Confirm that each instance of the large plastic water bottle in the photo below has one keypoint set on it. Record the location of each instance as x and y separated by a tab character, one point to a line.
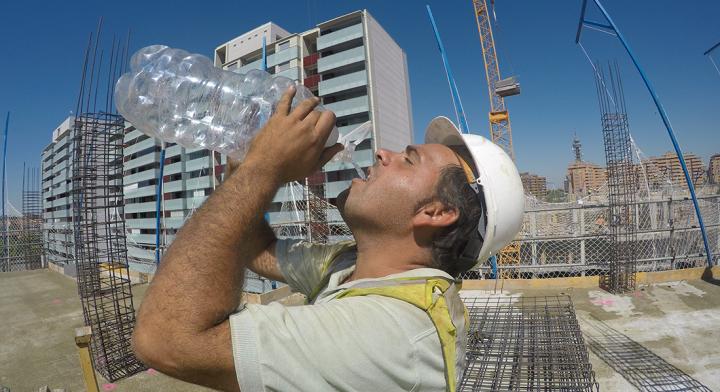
182	98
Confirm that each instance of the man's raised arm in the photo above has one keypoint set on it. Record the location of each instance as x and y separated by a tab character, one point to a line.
182	327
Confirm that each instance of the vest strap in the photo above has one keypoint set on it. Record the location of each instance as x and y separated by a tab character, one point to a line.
427	294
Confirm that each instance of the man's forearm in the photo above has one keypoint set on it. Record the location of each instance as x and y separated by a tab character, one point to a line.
200	278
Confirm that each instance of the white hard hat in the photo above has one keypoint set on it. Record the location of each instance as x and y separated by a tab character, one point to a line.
496	180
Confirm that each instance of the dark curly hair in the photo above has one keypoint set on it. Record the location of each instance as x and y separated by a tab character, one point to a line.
452	189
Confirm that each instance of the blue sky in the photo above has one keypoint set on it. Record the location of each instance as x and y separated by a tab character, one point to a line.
42	46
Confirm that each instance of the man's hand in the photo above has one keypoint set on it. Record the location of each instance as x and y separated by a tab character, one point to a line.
292	144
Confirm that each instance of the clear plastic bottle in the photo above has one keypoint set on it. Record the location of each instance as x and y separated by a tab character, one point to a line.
182	98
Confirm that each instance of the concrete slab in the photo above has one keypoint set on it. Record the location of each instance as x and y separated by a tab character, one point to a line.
39	311
670	327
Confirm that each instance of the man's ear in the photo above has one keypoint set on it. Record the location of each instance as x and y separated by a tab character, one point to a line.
435	215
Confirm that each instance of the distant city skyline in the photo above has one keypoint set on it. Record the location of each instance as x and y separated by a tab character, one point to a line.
43	53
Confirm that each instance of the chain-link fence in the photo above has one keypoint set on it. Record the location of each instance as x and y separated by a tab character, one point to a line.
310	217
571	238
560	239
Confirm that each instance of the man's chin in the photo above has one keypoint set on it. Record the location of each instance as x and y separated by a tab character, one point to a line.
341	200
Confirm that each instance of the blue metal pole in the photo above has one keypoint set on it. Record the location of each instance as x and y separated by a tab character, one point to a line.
459	112
665	121
6	243
264	55
158	201
5	142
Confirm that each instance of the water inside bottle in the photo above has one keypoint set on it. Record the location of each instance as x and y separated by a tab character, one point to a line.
359	170
350	141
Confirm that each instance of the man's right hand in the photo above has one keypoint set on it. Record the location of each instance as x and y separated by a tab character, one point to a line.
291	145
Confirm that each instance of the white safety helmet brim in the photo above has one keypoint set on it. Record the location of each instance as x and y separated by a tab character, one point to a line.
496	173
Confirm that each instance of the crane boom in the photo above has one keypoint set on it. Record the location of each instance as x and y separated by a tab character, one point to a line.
500	131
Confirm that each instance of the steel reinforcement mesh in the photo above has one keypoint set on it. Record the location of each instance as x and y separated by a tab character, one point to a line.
525	344
102	267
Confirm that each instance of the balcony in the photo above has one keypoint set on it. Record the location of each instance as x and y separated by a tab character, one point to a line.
132	135
337	60
198	164
349	106
285	217
173	151
257	64
147	206
312	81
172	168
173	186
282	56
141	161
332	189
147	143
174	204
133	238
198	183
310	61
140	223
292	73
341	83
339	36
140	192
141	176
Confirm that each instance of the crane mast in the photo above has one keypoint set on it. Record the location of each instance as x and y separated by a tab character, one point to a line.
500	131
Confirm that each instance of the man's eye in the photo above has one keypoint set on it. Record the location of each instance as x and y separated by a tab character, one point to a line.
408	160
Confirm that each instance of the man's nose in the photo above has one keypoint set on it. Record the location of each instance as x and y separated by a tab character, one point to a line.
384	157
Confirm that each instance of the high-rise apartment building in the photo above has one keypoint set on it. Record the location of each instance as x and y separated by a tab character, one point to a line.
357	70
350	62
584	178
56	165
534	184
666	170
714	169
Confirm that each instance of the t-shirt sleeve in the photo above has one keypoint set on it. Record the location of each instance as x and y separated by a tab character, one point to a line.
302	263
353	344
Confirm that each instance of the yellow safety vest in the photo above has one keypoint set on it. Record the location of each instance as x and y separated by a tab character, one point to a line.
438	297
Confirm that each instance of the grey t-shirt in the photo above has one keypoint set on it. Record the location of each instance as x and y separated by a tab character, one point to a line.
366	343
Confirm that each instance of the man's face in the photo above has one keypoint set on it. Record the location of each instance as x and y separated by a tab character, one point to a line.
397	182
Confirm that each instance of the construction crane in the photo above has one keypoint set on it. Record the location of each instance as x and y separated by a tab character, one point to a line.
500	131
498	89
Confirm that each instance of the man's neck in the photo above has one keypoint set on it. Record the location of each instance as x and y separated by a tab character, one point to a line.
378	257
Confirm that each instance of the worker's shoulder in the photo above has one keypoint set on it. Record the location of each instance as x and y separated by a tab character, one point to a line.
377	312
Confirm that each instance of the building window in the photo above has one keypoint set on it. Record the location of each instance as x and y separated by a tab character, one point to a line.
284	66
283	45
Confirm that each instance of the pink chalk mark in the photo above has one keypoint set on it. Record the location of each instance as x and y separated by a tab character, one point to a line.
603	301
109	386
638	294
152	372
56	301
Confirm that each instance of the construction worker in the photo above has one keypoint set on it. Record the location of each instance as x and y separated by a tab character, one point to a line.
383	311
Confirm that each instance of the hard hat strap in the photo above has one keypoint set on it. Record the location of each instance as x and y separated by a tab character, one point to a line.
477	237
